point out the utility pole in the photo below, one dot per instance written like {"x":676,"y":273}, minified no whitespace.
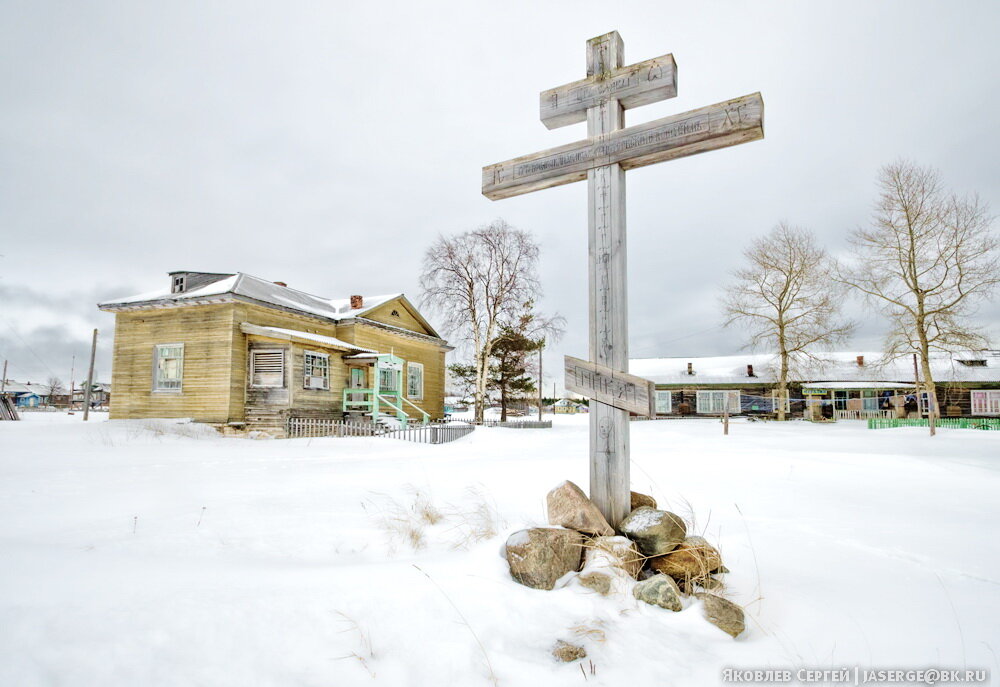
{"x":3,"y":380}
{"x":540,"y":380}
{"x":72,"y":387}
{"x":90,"y":379}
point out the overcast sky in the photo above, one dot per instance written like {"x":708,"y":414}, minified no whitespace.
{"x":326,"y":144}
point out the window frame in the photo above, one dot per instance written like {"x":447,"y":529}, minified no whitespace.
{"x":987,"y":396}
{"x":660,"y":394}
{"x":410,"y":368}
{"x":253,"y":368}
{"x":307,"y":367}
{"x":158,"y":381}
{"x":733,"y":404}
{"x":179,"y":284}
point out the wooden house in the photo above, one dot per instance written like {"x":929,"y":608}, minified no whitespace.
{"x":238,"y":351}
{"x":838,"y":385}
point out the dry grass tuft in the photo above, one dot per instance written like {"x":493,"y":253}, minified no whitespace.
{"x":364,"y":638}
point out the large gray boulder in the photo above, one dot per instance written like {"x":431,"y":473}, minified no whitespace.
{"x":722,"y":613}
{"x":569,"y":507}
{"x":659,"y":590}
{"x":655,"y":532}
{"x":539,"y":556}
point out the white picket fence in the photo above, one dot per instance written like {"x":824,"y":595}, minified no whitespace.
{"x":311,"y":427}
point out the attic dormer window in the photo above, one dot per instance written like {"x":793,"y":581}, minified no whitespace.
{"x":973,"y":363}
{"x":178,"y":285}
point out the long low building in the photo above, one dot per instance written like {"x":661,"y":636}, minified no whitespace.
{"x":840,"y":385}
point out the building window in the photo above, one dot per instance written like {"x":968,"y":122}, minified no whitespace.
{"x":415,"y":380}
{"x":985,"y":402}
{"x":178,"y":285}
{"x":267,"y":368}
{"x":714,"y":402}
{"x":168,"y":367}
{"x":387,"y":380}
{"x":870,"y":400}
{"x":663,"y":403}
{"x":316,"y":368}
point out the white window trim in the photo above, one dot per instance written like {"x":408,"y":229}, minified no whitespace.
{"x":985,"y":406}
{"x":178,"y":285}
{"x":669,"y":396}
{"x":415,"y":366}
{"x":253,"y":361}
{"x":156,"y":369}
{"x":732,"y":396}
{"x":326,"y":376}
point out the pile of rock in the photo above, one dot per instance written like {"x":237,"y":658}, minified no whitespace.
{"x":651,"y":556}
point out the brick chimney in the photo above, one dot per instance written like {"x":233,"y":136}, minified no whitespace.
{"x":750,"y":371}
{"x":357,"y":302}
{"x":281,"y":283}
{"x":861,"y":361}
{"x":690,"y":368}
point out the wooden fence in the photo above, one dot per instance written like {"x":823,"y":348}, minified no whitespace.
{"x":953,"y":422}
{"x":8,"y":409}
{"x":431,"y":434}
{"x":518,"y":424}
{"x":303,"y":427}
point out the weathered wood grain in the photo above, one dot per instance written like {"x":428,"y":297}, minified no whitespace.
{"x":608,"y":302}
{"x":609,"y":386}
{"x":638,"y":84}
{"x":724,"y":124}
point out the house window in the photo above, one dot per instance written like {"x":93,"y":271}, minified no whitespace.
{"x":168,"y":367}
{"x":869,"y":400}
{"x":663,"y":403}
{"x":316,"y":369}
{"x":178,"y":285}
{"x":267,"y":368}
{"x":387,"y":380}
{"x":985,"y":402}
{"x":415,"y":380}
{"x":714,"y":402}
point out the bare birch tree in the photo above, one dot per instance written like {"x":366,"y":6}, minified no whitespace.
{"x":926,"y":262}
{"x":476,"y":282}
{"x":786,"y":300}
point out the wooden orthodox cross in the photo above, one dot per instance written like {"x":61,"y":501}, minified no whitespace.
{"x":601,"y":159}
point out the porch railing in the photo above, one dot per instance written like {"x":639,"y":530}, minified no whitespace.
{"x":861,"y":414}
{"x":992,"y":423}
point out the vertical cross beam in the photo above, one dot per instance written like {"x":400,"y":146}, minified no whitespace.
{"x":609,"y":427}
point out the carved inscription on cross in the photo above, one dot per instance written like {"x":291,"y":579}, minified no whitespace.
{"x":602,"y":158}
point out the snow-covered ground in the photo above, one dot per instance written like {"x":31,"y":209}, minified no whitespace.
{"x":150,"y":553}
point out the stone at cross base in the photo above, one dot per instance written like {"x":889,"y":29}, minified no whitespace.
{"x":655,"y":532}
{"x":569,"y":507}
{"x":538,"y":557}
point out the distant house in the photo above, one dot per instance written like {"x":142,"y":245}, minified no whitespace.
{"x":843,"y":386}
{"x":566,"y":406}
{"x":26,"y":394}
{"x":237,"y":350}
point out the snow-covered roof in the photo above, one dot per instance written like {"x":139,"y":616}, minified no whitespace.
{"x":838,"y":366}
{"x":258,"y":289}
{"x":858,"y":385}
{"x":12,"y":387}
{"x":289,"y":334}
